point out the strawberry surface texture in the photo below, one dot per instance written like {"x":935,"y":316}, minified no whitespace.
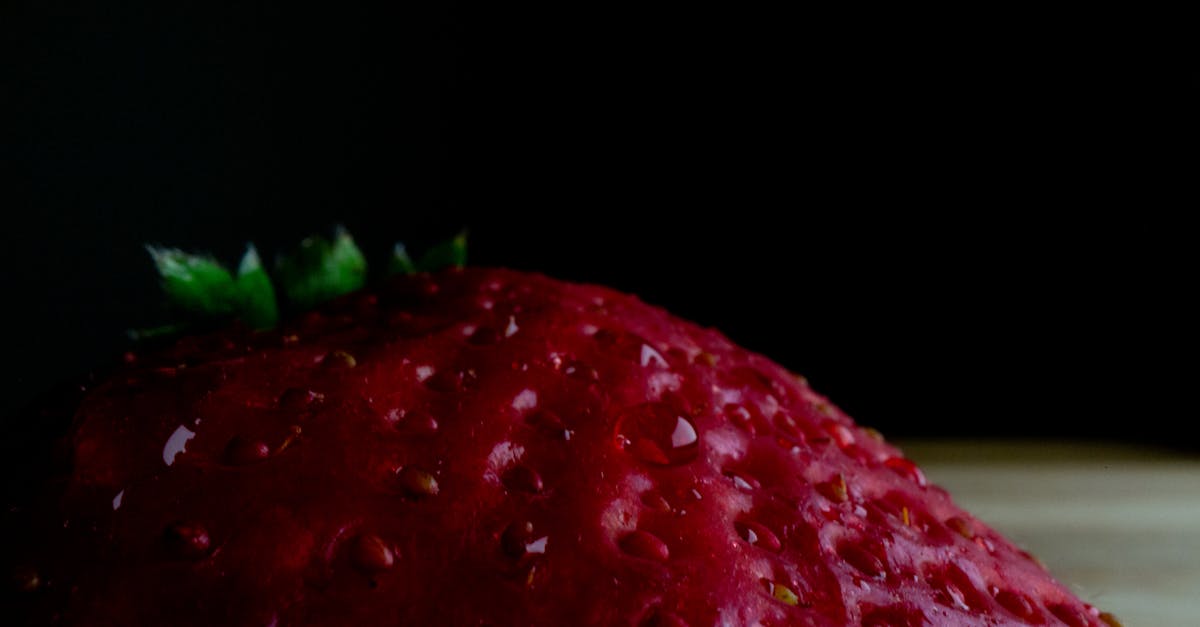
{"x":490,"y":447}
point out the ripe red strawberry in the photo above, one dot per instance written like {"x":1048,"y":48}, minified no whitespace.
{"x":487,"y":447}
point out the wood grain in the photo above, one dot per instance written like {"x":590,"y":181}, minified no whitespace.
{"x":1120,"y":525}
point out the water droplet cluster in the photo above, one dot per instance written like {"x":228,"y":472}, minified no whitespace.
{"x":488,"y":447}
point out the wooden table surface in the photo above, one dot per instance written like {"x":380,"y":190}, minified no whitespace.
{"x":1120,"y":525}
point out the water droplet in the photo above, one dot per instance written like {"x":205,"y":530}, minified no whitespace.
{"x":655,"y":501}
{"x":296,"y":399}
{"x":606,"y":337}
{"x":176,"y":444}
{"x":243,"y":451}
{"x":741,"y":483}
{"x":790,"y":429}
{"x":1020,"y":605}
{"x":957,"y":590}
{"x":906,"y":468}
{"x":651,"y":356}
{"x":840,"y":433}
{"x":582,"y":371}
{"x":451,"y":382}
{"x":645,"y":545}
{"x":684,"y":433}
{"x":370,"y":554}
{"x":116,"y":502}
{"x":537,"y":546}
{"x":522,"y":479}
{"x":423,"y":373}
{"x":742,"y":418}
{"x":656,"y":433}
{"x":953,"y":597}
{"x":758,"y":535}
{"x":780,"y":592}
{"x":515,"y":538}
{"x":416,"y":482}
{"x":865,"y":561}
{"x":512,"y":327}
{"x":414,"y":421}
{"x":525,"y":401}
{"x":186,"y":540}
{"x":627,"y":345}
{"x":483,"y":336}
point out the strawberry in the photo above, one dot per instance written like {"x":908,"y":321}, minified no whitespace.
{"x":490,"y":447}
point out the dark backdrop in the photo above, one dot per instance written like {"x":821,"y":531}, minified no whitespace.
{"x":950,"y":227}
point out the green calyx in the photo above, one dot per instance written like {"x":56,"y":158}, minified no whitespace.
{"x":201,"y":288}
{"x":203,"y":292}
{"x":259,"y":307}
{"x":321,"y":270}
{"x":451,"y":253}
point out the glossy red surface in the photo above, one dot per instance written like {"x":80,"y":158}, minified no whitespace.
{"x":486,"y":447}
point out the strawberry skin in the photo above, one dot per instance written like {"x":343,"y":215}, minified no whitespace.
{"x":488,"y":447}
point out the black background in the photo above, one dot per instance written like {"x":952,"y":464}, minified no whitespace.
{"x":953,"y":225}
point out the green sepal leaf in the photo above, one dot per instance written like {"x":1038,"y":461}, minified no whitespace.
{"x":401,"y":263}
{"x":322,"y":270}
{"x":204,"y":292}
{"x":448,"y":254}
{"x":257,"y":306}
{"x":196,"y":284}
